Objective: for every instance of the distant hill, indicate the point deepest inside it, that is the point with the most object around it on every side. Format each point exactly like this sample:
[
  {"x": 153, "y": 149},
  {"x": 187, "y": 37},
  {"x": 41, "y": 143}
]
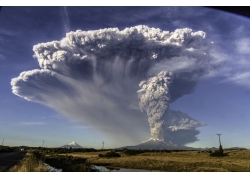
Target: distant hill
[
  {"x": 214, "y": 148},
  {"x": 235, "y": 148},
  {"x": 72, "y": 145},
  {"x": 153, "y": 144}
]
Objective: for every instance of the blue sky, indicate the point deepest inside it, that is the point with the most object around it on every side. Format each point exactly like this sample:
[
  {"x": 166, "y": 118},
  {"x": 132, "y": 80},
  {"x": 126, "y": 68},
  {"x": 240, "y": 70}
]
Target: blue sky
[{"x": 221, "y": 99}]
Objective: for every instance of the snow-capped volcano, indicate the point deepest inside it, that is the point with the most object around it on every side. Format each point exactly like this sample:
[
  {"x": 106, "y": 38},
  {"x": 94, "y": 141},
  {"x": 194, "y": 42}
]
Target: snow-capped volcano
[
  {"x": 72, "y": 145},
  {"x": 156, "y": 144}
]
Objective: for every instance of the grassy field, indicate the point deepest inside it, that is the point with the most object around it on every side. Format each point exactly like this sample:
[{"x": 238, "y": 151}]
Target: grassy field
[
  {"x": 30, "y": 163},
  {"x": 182, "y": 161},
  {"x": 34, "y": 162}
]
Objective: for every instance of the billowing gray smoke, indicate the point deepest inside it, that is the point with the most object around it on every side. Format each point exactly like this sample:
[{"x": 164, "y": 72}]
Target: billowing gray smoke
[
  {"x": 93, "y": 77},
  {"x": 155, "y": 101}
]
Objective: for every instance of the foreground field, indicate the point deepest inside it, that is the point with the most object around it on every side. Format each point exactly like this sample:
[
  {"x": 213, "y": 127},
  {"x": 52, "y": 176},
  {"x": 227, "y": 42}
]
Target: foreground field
[
  {"x": 182, "y": 161},
  {"x": 32, "y": 162}
]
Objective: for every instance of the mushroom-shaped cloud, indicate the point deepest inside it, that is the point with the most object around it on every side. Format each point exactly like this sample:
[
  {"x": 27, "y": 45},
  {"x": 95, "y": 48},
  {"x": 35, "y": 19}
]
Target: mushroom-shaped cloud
[{"x": 93, "y": 77}]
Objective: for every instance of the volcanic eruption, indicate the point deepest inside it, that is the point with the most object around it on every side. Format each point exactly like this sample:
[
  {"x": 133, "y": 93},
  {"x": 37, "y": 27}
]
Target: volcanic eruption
[{"x": 106, "y": 77}]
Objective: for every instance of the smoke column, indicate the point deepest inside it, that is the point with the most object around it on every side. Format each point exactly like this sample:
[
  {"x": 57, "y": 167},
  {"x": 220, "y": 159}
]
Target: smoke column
[
  {"x": 155, "y": 102},
  {"x": 93, "y": 77}
]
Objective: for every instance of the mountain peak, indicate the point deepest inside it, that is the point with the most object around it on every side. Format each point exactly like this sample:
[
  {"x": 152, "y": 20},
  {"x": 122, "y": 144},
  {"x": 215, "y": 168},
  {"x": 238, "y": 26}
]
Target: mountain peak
[{"x": 72, "y": 145}]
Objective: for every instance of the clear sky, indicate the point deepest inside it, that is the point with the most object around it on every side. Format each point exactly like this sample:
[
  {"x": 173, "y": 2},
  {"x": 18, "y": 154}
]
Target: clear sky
[{"x": 221, "y": 99}]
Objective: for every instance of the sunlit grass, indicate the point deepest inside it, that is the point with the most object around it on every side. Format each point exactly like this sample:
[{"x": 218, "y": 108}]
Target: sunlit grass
[
  {"x": 29, "y": 163},
  {"x": 235, "y": 161}
]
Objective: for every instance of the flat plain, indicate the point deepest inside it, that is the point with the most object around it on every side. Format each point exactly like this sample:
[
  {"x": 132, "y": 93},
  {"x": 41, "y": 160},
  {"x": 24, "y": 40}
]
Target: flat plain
[{"x": 174, "y": 161}]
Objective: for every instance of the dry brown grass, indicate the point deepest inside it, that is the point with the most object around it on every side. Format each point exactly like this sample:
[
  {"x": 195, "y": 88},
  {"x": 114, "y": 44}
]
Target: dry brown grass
[
  {"x": 184, "y": 161},
  {"x": 29, "y": 164}
]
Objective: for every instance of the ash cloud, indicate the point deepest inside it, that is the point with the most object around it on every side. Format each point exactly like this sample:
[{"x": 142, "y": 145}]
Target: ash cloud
[
  {"x": 180, "y": 128},
  {"x": 155, "y": 102},
  {"x": 94, "y": 77}
]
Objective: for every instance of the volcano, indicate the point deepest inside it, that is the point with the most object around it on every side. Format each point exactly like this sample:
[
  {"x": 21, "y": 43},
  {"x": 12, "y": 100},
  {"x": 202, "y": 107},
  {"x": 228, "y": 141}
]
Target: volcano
[
  {"x": 72, "y": 145},
  {"x": 155, "y": 144}
]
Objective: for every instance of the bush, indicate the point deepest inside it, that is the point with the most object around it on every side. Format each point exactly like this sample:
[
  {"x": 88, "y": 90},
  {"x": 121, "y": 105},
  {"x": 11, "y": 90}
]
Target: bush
[
  {"x": 5, "y": 149},
  {"x": 110, "y": 154},
  {"x": 69, "y": 163},
  {"x": 132, "y": 152}
]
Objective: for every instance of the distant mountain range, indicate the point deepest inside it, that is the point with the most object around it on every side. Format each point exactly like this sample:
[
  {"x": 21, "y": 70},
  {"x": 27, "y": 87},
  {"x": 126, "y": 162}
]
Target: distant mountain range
[
  {"x": 72, "y": 145},
  {"x": 154, "y": 144},
  {"x": 235, "y": 148}
]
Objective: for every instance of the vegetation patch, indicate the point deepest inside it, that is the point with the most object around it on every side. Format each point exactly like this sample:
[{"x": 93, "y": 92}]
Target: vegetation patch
[
  {"x": 32, "y": 162},
  {"x": 132, "y": 152},
  {"x": 181, "y": 161},
  {"x": 217, "y": 154},
  {"x": 69, "y": 163},
  {"x": 6, "y": 149},
  {"x": 110, "y": 154},
  {"x": 169, "y": 161}
]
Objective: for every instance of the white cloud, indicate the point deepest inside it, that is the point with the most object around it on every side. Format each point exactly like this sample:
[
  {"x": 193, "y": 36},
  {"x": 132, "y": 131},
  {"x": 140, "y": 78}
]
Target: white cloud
[
  {"x": 82, "y": 127},
  {"x": 2, "y": 57},
  {"x": 242, "y": 78},
  {"x": 32, "y": 123},
  {"x": 243, "y": 45},
  {"x": 233, "y": 67},
  {"x": 53, "y": 116},
  {"x": 6, "y": 32}
]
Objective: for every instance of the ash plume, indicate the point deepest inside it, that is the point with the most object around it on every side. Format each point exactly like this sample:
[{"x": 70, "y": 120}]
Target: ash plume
[
  {"x": 155, "y": 101},
  {"x": 92, "y": 77}
]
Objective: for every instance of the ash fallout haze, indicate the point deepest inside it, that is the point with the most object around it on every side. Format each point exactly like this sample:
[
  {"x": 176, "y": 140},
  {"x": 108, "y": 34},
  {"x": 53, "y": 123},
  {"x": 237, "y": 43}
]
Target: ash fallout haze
[{"x": 124, "y": 75}]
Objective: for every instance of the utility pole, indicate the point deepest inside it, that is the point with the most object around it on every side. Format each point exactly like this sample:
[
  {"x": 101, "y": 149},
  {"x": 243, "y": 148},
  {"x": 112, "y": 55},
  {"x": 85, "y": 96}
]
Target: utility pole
[
  {"x": 67, "y": 150},
  {"x": 219, "y": 138},
  {"x": 43, "y": 143},
  {"x": 2, "y": 141},
  {"x": 220, "y": 148},
  {"x": 102, "y": 145}
]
